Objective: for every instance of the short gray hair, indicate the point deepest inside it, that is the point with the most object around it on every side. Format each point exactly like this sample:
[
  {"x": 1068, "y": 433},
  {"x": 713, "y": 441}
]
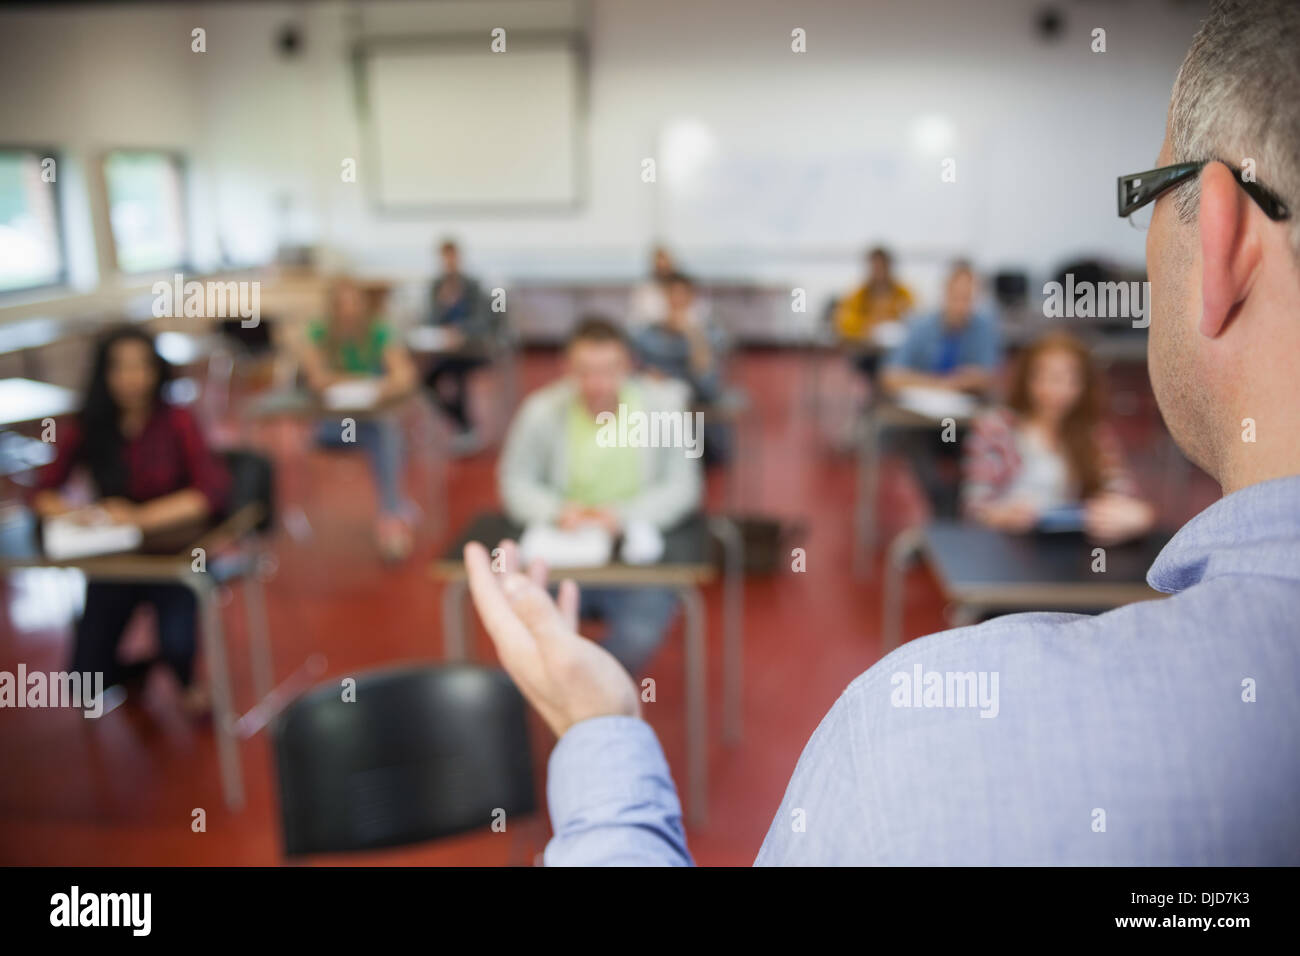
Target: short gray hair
[{"x": 1237, "y": 96}]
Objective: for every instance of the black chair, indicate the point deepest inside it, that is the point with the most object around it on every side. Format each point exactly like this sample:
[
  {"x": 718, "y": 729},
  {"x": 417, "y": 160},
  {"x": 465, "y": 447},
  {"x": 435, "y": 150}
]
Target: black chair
[
  {"x": 422, "y": 752},
  {"x": 252, "y": 482},
  {"x": 1011, "y": 289}
]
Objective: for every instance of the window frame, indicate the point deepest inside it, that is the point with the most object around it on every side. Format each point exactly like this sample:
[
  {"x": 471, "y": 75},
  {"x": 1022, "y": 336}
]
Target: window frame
[
  {"x": 182, "y": 166},
  {"x": 62, "y": 278}
]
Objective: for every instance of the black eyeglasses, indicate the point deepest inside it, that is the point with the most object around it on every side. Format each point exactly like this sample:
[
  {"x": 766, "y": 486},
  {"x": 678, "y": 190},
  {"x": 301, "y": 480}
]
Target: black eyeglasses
[{"x": 1138, "y": 189}]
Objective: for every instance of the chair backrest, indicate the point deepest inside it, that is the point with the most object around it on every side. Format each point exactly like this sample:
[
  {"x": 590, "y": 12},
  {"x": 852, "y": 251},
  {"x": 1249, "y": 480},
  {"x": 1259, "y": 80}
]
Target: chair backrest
[
  {"x": 421, "y": 752},
  {"x": 252, "y": 481}
]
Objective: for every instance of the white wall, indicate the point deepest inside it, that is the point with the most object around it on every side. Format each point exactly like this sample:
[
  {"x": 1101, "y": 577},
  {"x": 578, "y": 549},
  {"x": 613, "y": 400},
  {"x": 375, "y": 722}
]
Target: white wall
[{"x": 1040, "y": 130}]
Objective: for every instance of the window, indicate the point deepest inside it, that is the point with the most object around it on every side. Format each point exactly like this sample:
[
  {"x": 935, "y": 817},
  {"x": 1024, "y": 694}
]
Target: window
[
  {"x": 31, "y": 250},
  {"x": 146, "y": 209}
]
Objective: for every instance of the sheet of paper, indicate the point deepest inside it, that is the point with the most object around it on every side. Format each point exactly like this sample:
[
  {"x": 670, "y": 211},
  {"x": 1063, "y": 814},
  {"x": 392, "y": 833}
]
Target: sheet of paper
[
  {"x": 67, "y": 540},
  {"x": 643, "y": 543},
  {"x": 432, "y": 338},
  {"x": 356, "y": 393},
  {"x": 587, "y": 547},
  {"x": 888, "y": 335},
  {"x": 937, "y": 403}
]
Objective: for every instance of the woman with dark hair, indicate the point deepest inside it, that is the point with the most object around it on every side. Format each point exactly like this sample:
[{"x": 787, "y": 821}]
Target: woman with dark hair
[
  {"x": 150, "y": 467},
  {"x": 1047, "y": 459}
]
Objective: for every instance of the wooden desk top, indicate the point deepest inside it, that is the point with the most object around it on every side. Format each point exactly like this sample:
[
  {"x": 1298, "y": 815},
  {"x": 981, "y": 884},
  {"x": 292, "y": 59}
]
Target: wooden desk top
[
  {"x": 889, "y": 413},
  {"x": 301, "y": 403},
  {"x": 163, "y": 555},
  {"x": 687, "y": 559},
  {"x": 32, "y": 333},
  {"x": 23, "y": 400}
]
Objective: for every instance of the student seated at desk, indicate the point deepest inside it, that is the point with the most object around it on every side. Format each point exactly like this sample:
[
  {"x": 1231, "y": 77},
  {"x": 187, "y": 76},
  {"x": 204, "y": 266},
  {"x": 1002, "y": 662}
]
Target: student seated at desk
[
  {"x": 957, "y": 347},
  {"x": 458, "y": 304},
  {"x": 1047, "y": 456},
  {"x": 150, "y": 467},
  {"x": 554, "y": 470},
  {"x": 882, "y": 298},
  {"x": 687, "y": 347},
  {"x": 355, "y": 343},
  {"x": 649, "y": 302}
]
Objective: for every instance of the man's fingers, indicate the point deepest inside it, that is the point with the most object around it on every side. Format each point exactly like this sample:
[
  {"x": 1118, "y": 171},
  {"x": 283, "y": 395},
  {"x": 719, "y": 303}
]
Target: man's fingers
[
  {"x": 537, "y": 571},
  {"x": 503, "y": 626},
  {"x": 509, "y": 556},
  {"x": 537, "y": 612},
  {"x": 568, "y": 601}
]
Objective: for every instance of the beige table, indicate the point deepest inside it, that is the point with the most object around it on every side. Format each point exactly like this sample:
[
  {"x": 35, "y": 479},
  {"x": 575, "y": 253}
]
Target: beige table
[
  {"x": 881, "y": 416},
  {"x": 173, "y": 564}
]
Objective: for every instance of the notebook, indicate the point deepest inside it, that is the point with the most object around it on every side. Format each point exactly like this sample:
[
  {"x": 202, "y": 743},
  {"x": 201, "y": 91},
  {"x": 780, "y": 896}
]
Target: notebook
[
  {"x": 586, "y": 547},
  {"x": 936, "y": 403},
  {"x": 355, "y": 393},
  {"x": 432, "y": 338},
  {"x": 66, "y": 539}
]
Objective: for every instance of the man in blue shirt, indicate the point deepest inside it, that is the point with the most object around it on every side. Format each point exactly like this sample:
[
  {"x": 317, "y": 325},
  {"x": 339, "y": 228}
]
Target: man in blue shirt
[
  {"x": 956, "y": 347},
  {"x": 1165, "y": 732}
]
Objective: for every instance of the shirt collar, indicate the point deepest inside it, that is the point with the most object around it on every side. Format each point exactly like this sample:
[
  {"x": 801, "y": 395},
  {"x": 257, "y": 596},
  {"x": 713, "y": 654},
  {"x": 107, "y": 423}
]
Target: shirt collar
[{"x": 1253, "y": 531}]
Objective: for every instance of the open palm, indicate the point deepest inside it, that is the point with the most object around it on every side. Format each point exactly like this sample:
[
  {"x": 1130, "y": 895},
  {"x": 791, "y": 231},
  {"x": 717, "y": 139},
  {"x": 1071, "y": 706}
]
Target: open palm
[{"x": 566, "y": 677}]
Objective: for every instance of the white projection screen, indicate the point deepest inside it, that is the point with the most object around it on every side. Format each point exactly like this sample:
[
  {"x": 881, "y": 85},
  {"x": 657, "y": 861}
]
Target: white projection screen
[{"x": 451, "y": 126}]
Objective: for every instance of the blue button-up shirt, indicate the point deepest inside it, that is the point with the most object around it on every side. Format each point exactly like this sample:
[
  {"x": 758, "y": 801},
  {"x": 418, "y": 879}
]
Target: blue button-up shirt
[
  {"x": 1161, "y": 733},
  {"x": 929, "y": 346}
]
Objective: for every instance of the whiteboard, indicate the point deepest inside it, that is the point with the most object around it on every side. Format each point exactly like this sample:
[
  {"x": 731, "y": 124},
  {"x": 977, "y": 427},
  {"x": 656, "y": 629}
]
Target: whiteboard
[
  {"x": 747, "y": 197},
  {"x": 451, "y": 126}
]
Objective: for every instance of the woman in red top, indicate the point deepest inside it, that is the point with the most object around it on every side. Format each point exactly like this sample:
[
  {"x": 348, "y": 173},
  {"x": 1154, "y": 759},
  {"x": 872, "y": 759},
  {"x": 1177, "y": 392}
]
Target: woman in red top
[{"x": 150, "y": 467}]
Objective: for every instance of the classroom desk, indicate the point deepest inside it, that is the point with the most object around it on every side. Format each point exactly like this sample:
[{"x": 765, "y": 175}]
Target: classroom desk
[
  {"x": 27, "y": 338},
  {"x": 168, "y": 559},
  {"x": 23, "y": 401},
  {"x": 879, "y": 417},
  {"x": 981, "y": 570},
  {"x": 428, "y": 343},
  {"x": 301, "y": 405},
  {"x": 687, "y": 564}
]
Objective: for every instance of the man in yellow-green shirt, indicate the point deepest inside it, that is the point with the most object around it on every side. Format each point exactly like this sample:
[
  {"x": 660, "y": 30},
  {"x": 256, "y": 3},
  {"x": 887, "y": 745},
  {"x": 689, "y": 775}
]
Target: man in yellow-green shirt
[{"x": 555, "y": 468}]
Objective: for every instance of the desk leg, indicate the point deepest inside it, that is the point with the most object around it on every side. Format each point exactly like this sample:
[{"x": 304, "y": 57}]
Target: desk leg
[
  {"x": 964, "y": 615},
  {"x": 867, "y": 492},
  {"x": 223, "y": 712},
  {"x": 901, "y": 551},
  {"x": 733, "y": 628},
  {"x": 697, "y": 717},
  {"x": 453, "y": 619}
]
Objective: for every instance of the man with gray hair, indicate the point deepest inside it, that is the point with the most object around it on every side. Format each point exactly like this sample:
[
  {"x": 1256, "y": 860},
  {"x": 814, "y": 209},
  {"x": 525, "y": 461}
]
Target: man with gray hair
[{"x": 1162, "y": 733}]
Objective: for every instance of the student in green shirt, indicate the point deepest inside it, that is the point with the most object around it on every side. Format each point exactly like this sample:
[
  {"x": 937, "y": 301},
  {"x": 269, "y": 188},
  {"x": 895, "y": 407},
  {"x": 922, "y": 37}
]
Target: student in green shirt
[
  {"x": 554, "y": 469},
  {"x": 352, "y": 342}
]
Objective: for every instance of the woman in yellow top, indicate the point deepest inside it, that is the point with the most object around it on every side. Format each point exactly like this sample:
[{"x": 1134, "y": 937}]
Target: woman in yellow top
[{"x": 881, "y": 299}]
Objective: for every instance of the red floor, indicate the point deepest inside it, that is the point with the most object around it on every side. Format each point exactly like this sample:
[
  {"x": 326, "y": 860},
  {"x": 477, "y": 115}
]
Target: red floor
[{"x": 123, "y": 790}]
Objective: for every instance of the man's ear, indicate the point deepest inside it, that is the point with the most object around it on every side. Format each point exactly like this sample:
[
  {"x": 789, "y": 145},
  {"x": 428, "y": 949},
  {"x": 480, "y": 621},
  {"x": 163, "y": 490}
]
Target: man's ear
[{"x": 1229, "y": 249}]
